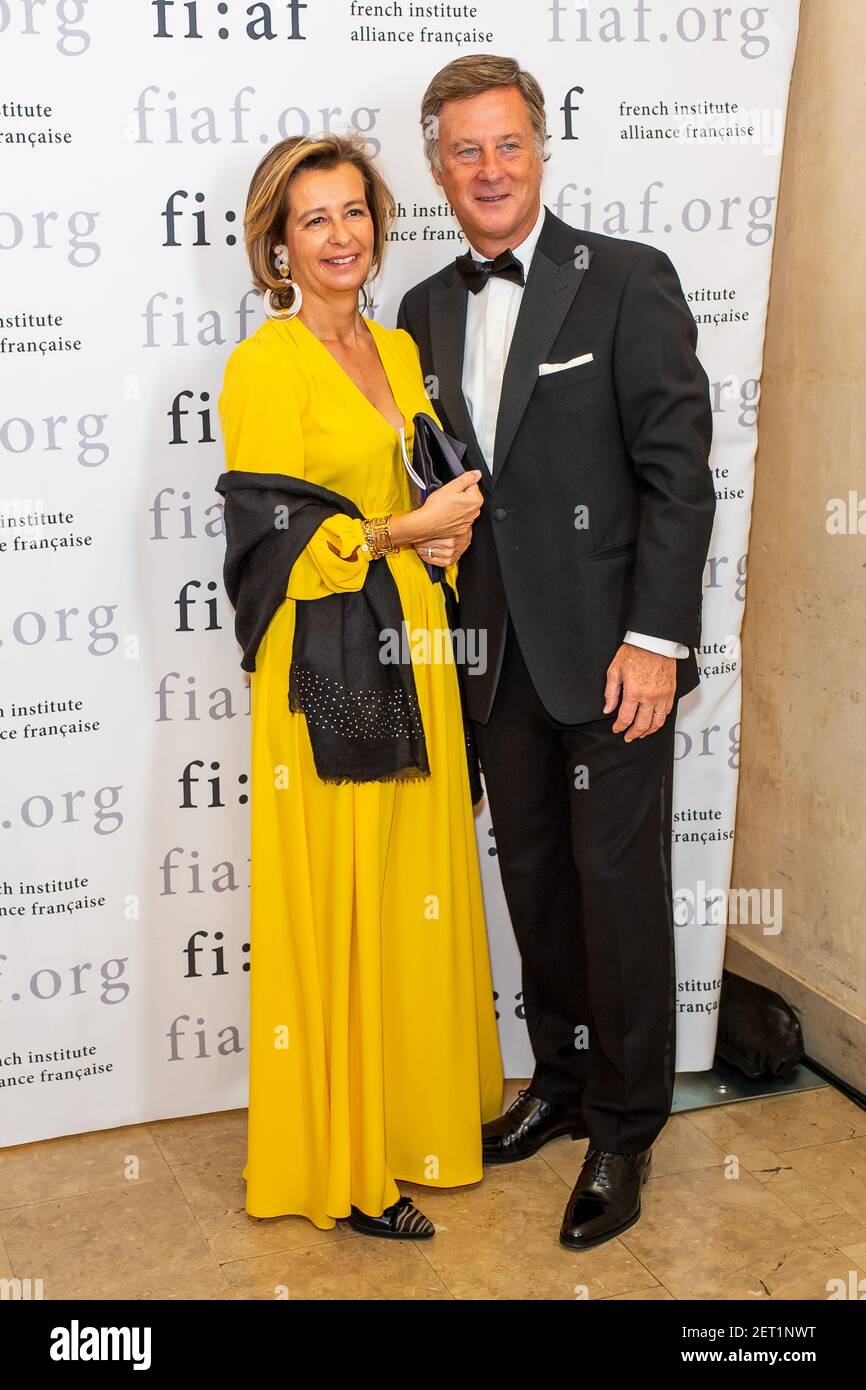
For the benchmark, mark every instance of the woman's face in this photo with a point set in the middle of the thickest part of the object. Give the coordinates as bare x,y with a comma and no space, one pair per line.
329,230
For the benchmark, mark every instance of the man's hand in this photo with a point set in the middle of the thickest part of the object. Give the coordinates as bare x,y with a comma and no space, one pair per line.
446,549
648,683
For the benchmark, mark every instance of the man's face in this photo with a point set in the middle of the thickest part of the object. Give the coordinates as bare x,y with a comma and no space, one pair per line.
490,167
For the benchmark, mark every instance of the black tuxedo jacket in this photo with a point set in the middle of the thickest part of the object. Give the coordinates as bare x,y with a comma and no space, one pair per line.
625,436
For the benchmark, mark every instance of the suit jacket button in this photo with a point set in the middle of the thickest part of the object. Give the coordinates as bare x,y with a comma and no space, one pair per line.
499,513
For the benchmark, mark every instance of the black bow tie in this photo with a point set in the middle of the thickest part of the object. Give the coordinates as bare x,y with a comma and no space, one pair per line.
477,273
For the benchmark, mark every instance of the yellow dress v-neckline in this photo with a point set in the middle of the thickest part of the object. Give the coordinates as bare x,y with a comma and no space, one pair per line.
399,433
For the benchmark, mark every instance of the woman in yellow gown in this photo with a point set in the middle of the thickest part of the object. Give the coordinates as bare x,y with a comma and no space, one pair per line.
374,1053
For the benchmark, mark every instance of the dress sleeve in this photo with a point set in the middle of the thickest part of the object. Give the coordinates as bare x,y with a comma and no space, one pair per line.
263,432
333,560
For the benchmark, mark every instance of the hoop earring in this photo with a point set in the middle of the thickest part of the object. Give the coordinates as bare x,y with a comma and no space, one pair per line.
297,301
365,306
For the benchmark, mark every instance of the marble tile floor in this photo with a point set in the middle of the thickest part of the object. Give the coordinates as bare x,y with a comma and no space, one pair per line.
763,1199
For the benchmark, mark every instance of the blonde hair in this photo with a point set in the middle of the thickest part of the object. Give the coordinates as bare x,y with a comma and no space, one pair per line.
469,76
268,202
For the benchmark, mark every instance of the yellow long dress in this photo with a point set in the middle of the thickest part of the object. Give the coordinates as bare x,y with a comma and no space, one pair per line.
374,1053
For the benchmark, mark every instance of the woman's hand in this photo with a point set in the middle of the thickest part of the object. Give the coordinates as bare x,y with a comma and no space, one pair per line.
450,509
446,549
447,512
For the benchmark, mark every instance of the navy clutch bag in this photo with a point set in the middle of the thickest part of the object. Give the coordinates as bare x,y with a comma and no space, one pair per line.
437,458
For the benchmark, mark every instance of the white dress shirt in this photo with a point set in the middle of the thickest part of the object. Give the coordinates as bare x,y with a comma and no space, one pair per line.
490,318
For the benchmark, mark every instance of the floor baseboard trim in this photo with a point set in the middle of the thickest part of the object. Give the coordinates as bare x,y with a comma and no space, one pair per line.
851,1092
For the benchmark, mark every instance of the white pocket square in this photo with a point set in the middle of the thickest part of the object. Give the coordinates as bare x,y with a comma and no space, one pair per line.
545,368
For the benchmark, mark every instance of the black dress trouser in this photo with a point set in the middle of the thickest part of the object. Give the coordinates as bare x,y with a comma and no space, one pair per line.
582,822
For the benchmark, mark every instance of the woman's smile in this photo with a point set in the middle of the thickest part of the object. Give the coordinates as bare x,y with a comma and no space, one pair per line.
340,262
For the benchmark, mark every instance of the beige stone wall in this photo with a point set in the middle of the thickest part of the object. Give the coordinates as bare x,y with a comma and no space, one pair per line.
801,813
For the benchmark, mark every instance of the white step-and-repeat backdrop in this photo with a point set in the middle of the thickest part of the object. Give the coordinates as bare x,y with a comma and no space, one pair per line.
129,134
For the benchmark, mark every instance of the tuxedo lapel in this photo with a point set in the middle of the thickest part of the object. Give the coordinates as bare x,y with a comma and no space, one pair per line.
551,284
448,296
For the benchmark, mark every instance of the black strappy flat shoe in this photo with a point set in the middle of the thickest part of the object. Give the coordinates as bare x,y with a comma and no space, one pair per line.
402,1221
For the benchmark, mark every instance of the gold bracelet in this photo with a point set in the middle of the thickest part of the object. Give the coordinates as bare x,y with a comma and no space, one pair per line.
377,536
369,543
382,533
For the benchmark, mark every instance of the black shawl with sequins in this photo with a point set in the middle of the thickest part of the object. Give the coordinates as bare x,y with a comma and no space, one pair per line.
362,713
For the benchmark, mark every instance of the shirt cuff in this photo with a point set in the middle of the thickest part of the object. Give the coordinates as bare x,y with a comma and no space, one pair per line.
660,645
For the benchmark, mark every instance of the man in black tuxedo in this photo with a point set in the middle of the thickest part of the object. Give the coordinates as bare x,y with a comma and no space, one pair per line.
565,360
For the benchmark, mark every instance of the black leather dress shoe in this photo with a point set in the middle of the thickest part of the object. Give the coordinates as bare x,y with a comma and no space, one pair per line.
606,1197
527,1125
